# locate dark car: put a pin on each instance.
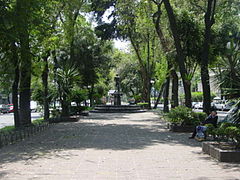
(4, 108)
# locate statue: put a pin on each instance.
(117, 94)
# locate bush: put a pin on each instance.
(199, 116)
(143, 105)
(229, 132)
(137, 98)
(198, 96)
(182, 115)
(211, 130)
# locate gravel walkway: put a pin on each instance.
(112, 146)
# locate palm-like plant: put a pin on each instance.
(67, 76)
(229, 78)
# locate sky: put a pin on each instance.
(122, 45)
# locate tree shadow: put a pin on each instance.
(2, 174)
(91, 135)
(99, 132)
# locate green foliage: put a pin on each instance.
(199, 116)
(7, 129)
(55, 113)
(182, 115)
(137, 98)
(211, 130)
(143, 105)
(78, 95)
(38, 121)
(226, 132)
(198, 96)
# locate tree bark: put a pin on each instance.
(166, 95)
(45, 87)
(91, 90)
(23, 8)
(65, 106)
(15, 84)
(180, 55)
(159, 96)
(209, 21)
(175, 101)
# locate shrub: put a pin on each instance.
(199, 116)
(137, 98)
(211, 130)
(143, 105)
(182, 115)
(230, 132)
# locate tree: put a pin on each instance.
(209, 21)
(180, 53)
(67, 76)
(22, 18)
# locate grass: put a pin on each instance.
(8, 129)
(38, 121)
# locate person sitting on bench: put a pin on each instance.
(211, 119)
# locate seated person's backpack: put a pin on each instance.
(200, 132)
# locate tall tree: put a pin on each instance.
(180, 53)
(209, 21)
(22, 15)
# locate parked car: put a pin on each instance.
(33, 106)
(229, 105)
(198, 105)
(219, 105)
(4, 108)
(222, 105)
(131, 101)
(10, 108)
(193, 104)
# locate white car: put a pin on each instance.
(219, 105)
(198, 105)
(229, 105)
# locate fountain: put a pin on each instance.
(117, 107)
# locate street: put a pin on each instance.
(8, 120)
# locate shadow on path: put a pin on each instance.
(117, 132)
(102, 131)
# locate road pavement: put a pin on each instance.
(8, 120)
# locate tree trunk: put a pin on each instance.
(91, 95)
(65, 106)
(175, 101)
(166, 95)
(209, 21)
(206, 89)
(146, 92)
(15, 85)
(159, 96)
(22, 8)
(45, 87)
(180, 55)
